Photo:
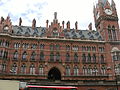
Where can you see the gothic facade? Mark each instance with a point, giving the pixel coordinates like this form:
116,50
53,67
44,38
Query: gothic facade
89,59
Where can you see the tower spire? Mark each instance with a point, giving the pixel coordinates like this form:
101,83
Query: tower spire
55,15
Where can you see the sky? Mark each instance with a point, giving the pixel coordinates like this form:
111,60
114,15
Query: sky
42,10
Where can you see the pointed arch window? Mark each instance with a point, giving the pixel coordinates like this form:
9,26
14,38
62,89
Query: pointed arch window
114,33
1,53
94,58
83,58
14,69
24,55
109,33
102,59
4,66
32,69
33,55
41,70
51,56
103,70
15,56
67,57
84,70
67,70
75,57
23,69
57,56
95,70
89,58
89,71
42,57
76,71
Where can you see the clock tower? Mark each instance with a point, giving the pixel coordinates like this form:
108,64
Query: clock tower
106,20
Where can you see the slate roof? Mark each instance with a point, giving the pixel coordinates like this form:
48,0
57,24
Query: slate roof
71,34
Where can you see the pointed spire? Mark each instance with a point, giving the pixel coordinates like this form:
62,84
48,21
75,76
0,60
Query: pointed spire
33,23
113,3
76,25
1,20
90,26
107,5
63,24
55,15
20,21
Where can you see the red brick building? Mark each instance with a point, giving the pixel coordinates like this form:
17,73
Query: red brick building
89,59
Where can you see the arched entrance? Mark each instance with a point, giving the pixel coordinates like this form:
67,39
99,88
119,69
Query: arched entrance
54,74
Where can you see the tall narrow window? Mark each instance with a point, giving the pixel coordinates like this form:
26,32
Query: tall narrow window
15,57
94,58
89,58
75,57
32,69
14,69
76,71
41,70
23,69
51,56
33,56
102,59
67,57
42,56
51,47
95,70
3,67
89,71
109,33
114,33
68,70
57,56
103,70
24,55
84,70
83,58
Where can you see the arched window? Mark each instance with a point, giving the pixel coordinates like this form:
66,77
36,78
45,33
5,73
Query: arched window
84,70
57,56
1,53
15,56
24,55
83,58
51,47
33,55
76,71
42,46
94,58
103,70
67,48
41,70
95,70
67,70
57,47
102,59
89,71
67,57
75,57
114,33
42,57
32,69
51,56
14,68
4,66
89,58
109,33
23,69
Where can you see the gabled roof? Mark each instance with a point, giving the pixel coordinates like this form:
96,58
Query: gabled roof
68,34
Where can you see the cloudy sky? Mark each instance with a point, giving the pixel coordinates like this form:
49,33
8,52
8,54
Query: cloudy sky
41,10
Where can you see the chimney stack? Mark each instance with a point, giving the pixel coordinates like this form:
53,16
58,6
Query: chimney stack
76,25
33,23
20,21
68,25
47,21
2,19
90,26
63,24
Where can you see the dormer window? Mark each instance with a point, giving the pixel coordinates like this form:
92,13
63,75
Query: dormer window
55,32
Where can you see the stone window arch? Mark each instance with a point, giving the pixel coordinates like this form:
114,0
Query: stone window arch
41,69
15,56
32,69
76,71
23,69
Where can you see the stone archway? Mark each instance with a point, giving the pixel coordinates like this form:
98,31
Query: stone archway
54,74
